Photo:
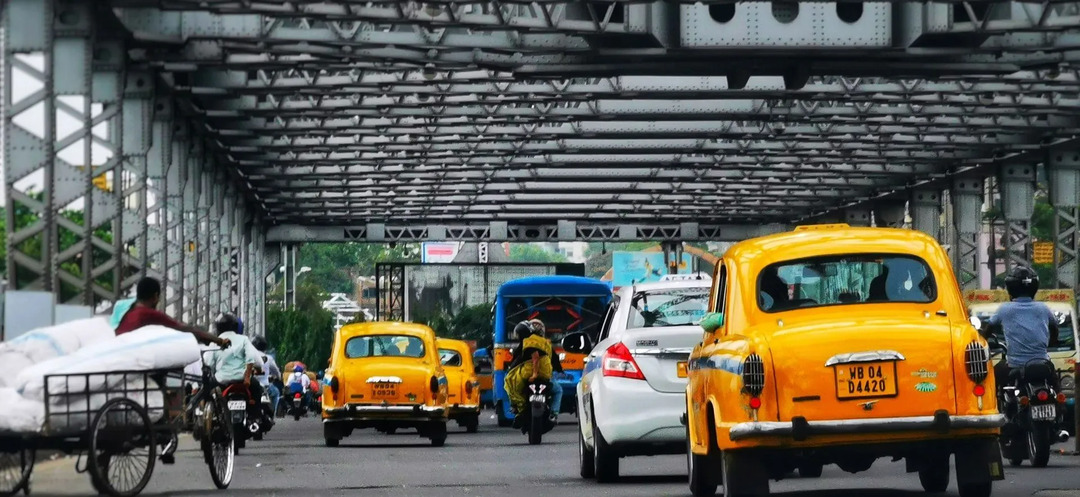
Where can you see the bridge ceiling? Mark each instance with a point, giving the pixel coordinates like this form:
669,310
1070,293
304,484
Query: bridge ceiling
344,113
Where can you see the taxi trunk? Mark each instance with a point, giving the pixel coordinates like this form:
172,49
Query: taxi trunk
408,382
870,366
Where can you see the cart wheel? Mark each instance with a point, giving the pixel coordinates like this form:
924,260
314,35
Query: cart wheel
220,450
122,448
15,468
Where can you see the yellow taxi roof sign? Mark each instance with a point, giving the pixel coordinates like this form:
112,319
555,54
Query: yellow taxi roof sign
1056,295
998,296
815,227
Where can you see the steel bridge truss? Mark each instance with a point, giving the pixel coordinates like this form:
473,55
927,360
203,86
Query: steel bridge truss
210,132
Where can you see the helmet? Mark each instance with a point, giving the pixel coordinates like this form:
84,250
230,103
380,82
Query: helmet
228,322
298,369
1022,281
522,330
259,343
537,326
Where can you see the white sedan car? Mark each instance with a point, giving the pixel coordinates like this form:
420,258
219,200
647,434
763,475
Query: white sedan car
633,389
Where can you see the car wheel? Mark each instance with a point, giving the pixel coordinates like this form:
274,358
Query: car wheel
332,442
472,425
585,456
976,489
810,470
438,434
605,461
701,470
934,475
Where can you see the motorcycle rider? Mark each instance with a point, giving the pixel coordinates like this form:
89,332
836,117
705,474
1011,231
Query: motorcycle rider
299,383
240,360
271,372
1030,327
534,359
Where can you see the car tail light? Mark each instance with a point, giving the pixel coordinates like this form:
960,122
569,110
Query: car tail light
468,388
753,375
976,361
334,384
979,390
297,396
434,384
618,362
1042,395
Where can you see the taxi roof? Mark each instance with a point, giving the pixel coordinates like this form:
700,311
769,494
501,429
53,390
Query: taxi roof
830,240
386,327
453,344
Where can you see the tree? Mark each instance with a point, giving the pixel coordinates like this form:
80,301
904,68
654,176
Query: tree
524,252
335,266
470,323
303,333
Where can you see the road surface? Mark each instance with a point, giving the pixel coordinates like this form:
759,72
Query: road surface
292,460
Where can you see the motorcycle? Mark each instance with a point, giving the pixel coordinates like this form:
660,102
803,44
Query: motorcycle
1033,409
297,410
536,419
249,418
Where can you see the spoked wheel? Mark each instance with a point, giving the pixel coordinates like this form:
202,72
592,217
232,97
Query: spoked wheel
15,468
122,448
220,448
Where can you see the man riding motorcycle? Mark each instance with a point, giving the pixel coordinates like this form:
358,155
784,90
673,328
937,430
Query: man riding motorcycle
533,359
1030,327
270,373
240,360
299,383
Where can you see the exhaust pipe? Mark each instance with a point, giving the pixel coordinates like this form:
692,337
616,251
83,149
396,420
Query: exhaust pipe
1063,436
253,427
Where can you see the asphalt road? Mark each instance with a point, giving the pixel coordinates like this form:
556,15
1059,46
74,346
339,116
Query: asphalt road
494,462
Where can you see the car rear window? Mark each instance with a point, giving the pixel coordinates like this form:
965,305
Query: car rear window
384,346
845,280
668,307
450,358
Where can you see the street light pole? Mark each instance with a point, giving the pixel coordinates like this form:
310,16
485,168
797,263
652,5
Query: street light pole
296,277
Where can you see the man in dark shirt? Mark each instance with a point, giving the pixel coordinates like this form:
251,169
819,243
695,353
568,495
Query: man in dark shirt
145,313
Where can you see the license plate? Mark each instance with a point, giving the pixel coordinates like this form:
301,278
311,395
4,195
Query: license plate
384,390
681,368
237,405
1043,413
868,379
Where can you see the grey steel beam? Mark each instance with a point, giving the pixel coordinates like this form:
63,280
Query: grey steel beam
1063,173
966,201
1017,181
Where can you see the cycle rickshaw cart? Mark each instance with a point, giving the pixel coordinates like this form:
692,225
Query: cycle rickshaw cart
120,423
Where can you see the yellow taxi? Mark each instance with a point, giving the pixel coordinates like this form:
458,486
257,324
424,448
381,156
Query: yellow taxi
462,384
839,345
385,375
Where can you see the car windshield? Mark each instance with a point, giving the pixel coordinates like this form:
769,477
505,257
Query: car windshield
669,307
1066,337
450,358
384,346
845,279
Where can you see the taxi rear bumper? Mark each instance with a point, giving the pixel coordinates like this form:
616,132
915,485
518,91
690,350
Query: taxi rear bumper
800,429
370,411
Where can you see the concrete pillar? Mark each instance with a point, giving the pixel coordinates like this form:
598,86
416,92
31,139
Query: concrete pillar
1017,204
857,216
967,198
925,208
890,213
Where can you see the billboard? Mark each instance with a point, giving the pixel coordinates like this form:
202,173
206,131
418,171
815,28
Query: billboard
438,252
643,267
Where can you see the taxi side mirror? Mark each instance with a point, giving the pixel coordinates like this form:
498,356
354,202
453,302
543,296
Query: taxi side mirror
577,343
712,321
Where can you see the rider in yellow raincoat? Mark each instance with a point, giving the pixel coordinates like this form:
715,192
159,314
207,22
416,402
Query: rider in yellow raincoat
533,362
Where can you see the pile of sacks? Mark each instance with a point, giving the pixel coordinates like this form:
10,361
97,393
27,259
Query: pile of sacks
84,346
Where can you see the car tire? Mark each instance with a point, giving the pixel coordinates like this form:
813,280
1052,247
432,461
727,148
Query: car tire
701,470
332,442
934,475
472,425
605,461
810,470
585,456
983,489
438,434
500,415
257,436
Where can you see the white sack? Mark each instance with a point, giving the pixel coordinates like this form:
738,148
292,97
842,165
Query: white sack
20,415
148,348
59,340
76,412
13,363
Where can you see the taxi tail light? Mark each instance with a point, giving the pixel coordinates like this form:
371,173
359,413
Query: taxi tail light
753,375
618,362
468,388
434,385
334,385
976,362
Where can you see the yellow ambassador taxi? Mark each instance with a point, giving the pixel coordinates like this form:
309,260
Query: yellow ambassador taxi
462,384
385,375
839,345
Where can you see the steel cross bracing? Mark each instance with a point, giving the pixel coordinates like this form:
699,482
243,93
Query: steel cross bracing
217,128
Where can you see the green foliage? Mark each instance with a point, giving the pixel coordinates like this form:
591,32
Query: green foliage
471,323
335,266
304,333
525,252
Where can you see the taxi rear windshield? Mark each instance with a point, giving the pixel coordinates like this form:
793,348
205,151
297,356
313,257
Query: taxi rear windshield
384,346
450,358
844,280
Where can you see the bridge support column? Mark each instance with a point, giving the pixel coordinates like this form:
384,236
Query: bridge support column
925,207
1017,204
857,216
967,200
1063,171
890,214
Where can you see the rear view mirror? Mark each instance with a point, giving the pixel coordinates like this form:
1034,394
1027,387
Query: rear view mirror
712,321
577,343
